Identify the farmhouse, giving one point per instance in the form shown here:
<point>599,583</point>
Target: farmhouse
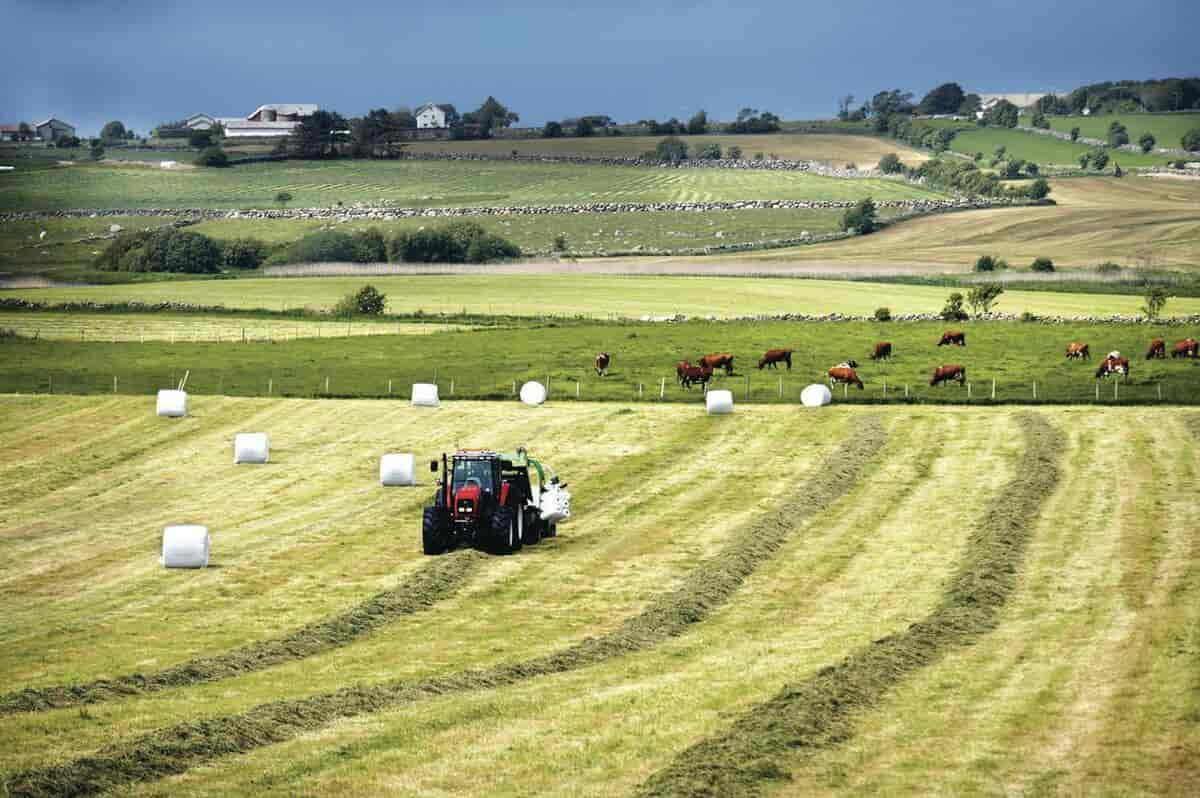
<point>54,129</point>
<point>436,115</point>
<point>10,132</point>
<point>273,119</point>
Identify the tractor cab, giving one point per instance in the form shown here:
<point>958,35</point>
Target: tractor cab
<point>487,500</point>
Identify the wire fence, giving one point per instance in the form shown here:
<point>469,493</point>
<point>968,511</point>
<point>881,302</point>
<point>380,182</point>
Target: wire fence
<point>647,387</point>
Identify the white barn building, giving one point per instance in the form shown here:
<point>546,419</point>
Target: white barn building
<point>436,115</point>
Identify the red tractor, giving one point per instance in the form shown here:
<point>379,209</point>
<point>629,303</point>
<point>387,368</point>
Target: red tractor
<point>486,500</point>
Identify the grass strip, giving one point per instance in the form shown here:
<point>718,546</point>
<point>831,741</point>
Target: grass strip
<point>436,581</point>
<point>178,748</point>
<point>820,712</point>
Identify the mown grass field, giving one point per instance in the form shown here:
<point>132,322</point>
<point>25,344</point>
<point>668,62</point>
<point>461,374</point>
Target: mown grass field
<point>1167,129</point>
<point>602,661</point>
<point>417,184</point>
<point>1043,150</point>
<point>595,296</point>
<point>490,363</point>
<point>188,327</point>
<point>1131,221</point>
<point>834,149</point>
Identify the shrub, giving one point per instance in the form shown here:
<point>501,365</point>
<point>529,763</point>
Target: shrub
<point>1074,134</point>
<point>283,198</point>
<point>369,247</point>
<point>883,314</point>
<point>1155,300</point>
<point>243,253</point>
<point>1042,264</point>
<point>890,164</point>
<point>366,301</point>
<point>458,242</point>
<point>165,250</point>
<point>985,263</point>
<point>1146,141</point>
<point>1026,316</point>
<point>560,243</point>
<point>213,156</point>
<point>1108,267</point>
<point>1118,136</point>
<point>321,246</point>
<point>861,217</point>
<point>96,151</point>
<point>552,130</point>
<point>709,152</point>
<point>671,150</point>
<point>1099,160</point>
<point>1032,169</point>
<point>1191,140</point>
<point>200,139</point>
<point>983,296</point>
<point>953,310</point>
<point>734,152</point>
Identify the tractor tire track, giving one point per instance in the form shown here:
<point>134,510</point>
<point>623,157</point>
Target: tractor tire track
<point>819,712</point>
<point>435,581</point>
<point>176,749</point>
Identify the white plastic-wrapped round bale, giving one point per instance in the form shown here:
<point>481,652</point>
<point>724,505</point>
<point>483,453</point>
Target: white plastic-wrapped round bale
<point>533,393</point>
<point>816,396</point>
<point>397,470</point>
<point>172,404</point>
<point>425,394</point>
<point>718,403</point>
<point>251,447</point>
<point>185,546</point>
<point>554,504</point>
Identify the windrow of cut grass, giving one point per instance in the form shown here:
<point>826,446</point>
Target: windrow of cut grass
<point>436,581</point>
<point>821,711</point>
<point>710,585</point>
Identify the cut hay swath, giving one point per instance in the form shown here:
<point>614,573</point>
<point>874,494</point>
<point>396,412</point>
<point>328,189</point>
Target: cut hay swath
<point>710,585</point>
<point>437,580</point>
<point>820,711</point>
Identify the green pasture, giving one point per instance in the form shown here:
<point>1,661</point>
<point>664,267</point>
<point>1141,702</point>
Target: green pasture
<point>490,363</point>
<point>1167,129</point>
<point>1042,150</point>
<point>417,184</point>
<point>581,294</point>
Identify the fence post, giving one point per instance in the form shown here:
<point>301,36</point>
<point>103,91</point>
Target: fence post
<point>577,388</point>
<point>243,336</point>
<point>1035,392</point>
<point>514,392</point>
<point>547,386</point>
<point>452,386</point>
<point>639,391</point>
<point>143,336</point>
<point>662,389</point>
<point>1159,386</point>
<point>781,386</point>
<point>906,390</point>
<point>1097,390</point>
<point>993,389</point>
<point>968,391</point>
<point>389,387</point>
<point>114,383</point>
<point>327,385</point>
<point>51,378</point>
<point>885,389</point>
<point>747,387</point>
<point>1116,396</point>
<point>270,386</point>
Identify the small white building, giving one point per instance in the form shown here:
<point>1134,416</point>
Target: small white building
<point>54,129</point>
<point>436,115</point>
<point>200,122</point>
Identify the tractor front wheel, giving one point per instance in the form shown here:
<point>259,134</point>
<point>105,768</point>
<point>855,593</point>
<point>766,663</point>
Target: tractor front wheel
<point>436,537</point>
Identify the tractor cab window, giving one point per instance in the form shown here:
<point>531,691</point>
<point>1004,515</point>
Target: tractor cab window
<point>480,471</point>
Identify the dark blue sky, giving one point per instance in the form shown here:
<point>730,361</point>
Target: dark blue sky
<point>148,62</point>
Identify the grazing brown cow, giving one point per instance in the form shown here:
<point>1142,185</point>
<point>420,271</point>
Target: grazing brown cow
<point>724,360</point>
<point>1110,366</point>
<point>953,338</point>
<point>844,374</point>
<point>695,375</point>
<point>950,373</point>
<point>680,368</point>
<point>1158,348</point>
<point>883,351</point>
<point>602,361</point>
<point>1078,351</point>
<point>1188,347</point>
<point>774,357</point>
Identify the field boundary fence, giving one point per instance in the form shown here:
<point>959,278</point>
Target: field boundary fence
<point>645,386</point>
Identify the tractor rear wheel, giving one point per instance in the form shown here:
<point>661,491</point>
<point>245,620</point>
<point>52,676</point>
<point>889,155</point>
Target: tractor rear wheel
<point>531,534</point>
<point>505,537</point>
<point>550,531</point>
<point>435,530</point>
